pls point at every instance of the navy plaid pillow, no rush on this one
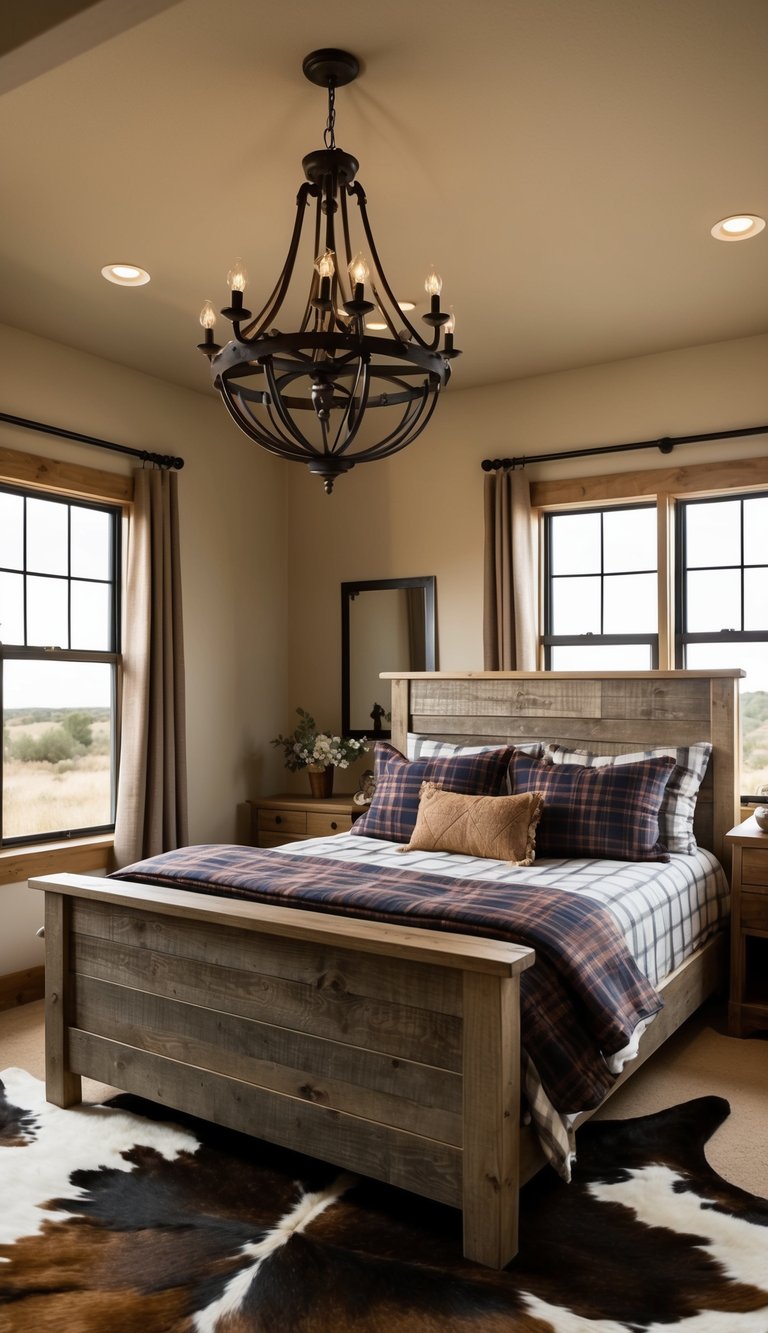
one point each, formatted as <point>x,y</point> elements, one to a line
<point>395,805</point>
<point>597,812</point>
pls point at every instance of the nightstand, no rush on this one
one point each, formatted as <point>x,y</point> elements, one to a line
<point>748,1007</point>
<point>289,818</point>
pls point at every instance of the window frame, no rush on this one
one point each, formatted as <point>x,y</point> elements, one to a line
<point>589,639</point>
<point>718,479</point>
<point>684,637</point>
<point>46,477</point>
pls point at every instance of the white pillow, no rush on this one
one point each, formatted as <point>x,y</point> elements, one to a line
<point>426,747</point>
<point>679,803</point>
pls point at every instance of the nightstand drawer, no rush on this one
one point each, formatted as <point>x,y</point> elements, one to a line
<point>322,825</point>
<point>283,821</point>
<point>754,867</point>
<point>754,911</point>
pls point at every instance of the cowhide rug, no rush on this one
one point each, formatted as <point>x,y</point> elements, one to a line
<point>117,1222</point>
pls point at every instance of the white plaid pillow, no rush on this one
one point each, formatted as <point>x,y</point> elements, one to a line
<point>426,747</point>
<point>679,803</point>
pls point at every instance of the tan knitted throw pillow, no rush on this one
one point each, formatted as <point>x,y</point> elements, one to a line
<point>502,828</point>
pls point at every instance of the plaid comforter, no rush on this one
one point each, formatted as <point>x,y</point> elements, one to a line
<point>580,1002</point>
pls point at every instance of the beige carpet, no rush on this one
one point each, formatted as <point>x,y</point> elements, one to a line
<point>698,1060</point>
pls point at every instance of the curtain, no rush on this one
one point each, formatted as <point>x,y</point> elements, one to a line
<point>510,635</point>
<point>152,784</point>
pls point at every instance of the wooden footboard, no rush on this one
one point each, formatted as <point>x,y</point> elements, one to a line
<point>390,1051</point>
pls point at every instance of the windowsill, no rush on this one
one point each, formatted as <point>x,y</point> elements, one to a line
<point>18,864</point>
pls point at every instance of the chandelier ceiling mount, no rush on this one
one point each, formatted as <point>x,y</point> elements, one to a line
<point>331,393</point>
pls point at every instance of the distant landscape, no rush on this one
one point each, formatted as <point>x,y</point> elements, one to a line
<point>56,769</point>
<point>56,765</point>
<point>754,731</point>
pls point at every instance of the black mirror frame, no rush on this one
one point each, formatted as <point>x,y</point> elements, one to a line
<point>348,592</point>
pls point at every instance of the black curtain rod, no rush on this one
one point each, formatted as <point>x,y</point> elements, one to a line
<point>666,444</point>
<point>161,460</point>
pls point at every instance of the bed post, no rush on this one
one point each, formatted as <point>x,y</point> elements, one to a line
<point>62,1087</point>
<point>491,1157</point>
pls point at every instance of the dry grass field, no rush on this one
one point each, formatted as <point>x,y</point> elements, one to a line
<point>42,797</point>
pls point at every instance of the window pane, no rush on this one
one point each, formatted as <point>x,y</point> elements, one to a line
<point>46,537</point>
<point>713,533</point>
<point>602,657</point>
<point>12,609</point>
<point>576,606</point>
<point>756,599</point>
<point>90,616</point>
<point>47,624</point>
<point>630,604</point>
<point>90,543</point>
<point>752,658</point>
<point>57,729</point>
<point>756,531</point>
<point>714,601</point>
<point>576,544</point>
<point>11,531</point>
<point>629,539</point>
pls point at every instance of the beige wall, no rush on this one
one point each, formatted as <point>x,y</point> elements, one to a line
<point>234,578</point>
<point>421,512</point>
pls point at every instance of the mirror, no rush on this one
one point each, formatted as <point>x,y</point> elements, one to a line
<point>386,625</point>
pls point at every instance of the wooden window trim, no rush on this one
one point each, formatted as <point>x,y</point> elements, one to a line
<point>76,855</point>
<point>50,474</point>
<point>662,485</point>
<point>741,474</point>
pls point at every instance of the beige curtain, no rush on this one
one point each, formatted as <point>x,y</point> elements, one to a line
<point>510,633</point>
<point>152,784</point>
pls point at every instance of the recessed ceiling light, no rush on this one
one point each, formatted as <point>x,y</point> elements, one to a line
<point>376,325</point>
<point>738,227</point>
<point>125,275</point>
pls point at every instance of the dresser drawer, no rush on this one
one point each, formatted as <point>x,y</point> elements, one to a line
<point>321,825</point>
<point>754,867</point>
<point>754,911</point>
<point>283,821</point>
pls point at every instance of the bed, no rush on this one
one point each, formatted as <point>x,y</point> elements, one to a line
<point>387,1049</point>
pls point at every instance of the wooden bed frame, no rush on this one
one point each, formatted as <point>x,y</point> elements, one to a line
<point>393,1052</point>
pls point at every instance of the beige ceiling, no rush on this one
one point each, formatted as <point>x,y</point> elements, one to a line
<point>560,161</point>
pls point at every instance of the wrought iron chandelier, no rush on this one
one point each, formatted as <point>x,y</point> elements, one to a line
<point>309,395</point>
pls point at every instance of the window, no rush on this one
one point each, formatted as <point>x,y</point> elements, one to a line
<point>709,606</point>
<point>59,659</point>
<point>600,604</point>
<point>722,608</point>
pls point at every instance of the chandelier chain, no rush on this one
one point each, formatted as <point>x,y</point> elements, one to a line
<point>329,134</point>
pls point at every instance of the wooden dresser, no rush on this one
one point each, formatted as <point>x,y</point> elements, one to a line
<point>748,1007</point>
<point>290,818</point>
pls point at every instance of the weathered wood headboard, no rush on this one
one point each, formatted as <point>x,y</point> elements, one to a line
<point>614,712</point>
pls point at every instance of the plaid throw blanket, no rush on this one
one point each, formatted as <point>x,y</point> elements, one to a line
<point>581,1001</point>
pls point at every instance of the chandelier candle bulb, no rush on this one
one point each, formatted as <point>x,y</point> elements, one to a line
<point>326,268</point>
<point>208,321</point>
<point>237,279</point>
<point>450,329</point>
